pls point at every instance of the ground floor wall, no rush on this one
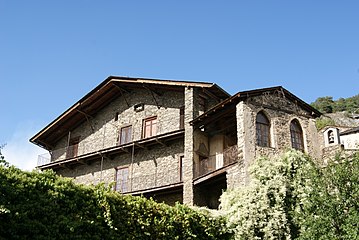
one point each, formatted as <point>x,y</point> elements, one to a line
<point>146,168</point>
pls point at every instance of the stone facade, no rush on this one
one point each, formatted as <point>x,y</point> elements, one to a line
<point>199,147</point>
<point>148,169</point>
<point>103,130</point>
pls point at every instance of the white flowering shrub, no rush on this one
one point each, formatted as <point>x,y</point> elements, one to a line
<point>267,208</point>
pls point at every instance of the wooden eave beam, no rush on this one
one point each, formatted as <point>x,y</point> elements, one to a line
<point>153,96</point>
<point>122,89</point>
<point>210,94</point>
<point>84,113</point>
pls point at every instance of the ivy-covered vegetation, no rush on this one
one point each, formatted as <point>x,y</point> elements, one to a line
<point>291,197</point>
<point>36,205</point>
<point>328,105</point>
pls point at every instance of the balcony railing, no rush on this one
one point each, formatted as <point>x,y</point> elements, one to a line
<point>214,162</point>
<point>93,145</point>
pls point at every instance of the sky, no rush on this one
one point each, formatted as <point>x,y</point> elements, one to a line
<point>54,52</point>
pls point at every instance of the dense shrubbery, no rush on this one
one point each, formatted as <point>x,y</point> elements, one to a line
<point>37,205</point>
<point>290,197</point>
<point>293,198</point>
<point>332,209</point>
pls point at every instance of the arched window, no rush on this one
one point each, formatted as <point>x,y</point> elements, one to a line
<point>262,130</point>
<point>296,135</point>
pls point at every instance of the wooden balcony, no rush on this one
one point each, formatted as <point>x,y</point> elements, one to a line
<point>215,162</point>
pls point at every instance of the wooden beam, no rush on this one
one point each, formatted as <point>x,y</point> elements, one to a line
<point>121,91</point>
<point>210,94</point>
<point>84,113</point>
<point>160,142</point>
<point>153,96</point>
<point>139,145</point>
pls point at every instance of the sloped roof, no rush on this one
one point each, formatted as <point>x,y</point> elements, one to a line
<point>240,96</point>
<point>111,88</point>
<point>350,131</point>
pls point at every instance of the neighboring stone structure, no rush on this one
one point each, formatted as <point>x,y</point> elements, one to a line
<point>350,138</point>
<point>175,140</point>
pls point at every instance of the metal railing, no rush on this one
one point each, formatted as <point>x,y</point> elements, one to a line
<point>85,146</point>
<point>214,162</point>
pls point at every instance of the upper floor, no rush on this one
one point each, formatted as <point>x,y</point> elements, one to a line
<point>121,112</point>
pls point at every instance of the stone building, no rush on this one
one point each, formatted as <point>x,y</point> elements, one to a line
<point>174,140</point>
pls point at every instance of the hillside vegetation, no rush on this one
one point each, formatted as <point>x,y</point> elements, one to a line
<point>328,105</point>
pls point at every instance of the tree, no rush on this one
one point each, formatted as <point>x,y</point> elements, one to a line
<point>2,158</point>
<point>291,197</point>
<point>332,211</point>
<point>324,104</point>
<point>266,208</point>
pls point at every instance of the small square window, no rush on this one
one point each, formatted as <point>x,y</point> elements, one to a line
<point>139,107</point>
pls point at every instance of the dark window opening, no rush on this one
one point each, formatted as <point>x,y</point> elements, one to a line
<point>296,135</point>
<point>330,136</point>
<point>262,130</point>
<point>72,149</point>
<point>181,117</point>
<point>181,168</point>
<point>207,193</point>
<point>139,107</point>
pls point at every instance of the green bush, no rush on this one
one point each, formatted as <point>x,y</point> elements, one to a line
<point>290,197</point>
<point>332,211</point>
<point>322,122</point>
<point>36,205</point>
<point>266,208</point>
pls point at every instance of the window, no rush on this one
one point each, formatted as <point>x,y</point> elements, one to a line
<point>182,118</point>
<point>330,136</point>
<point>296,135</point>
<point>122,179</point>
<point>262,130</point>
<point>139,107</point>
<point>149,127</point>
<point>72,149</point>
<point>126,135</point>
<point>181,167</point>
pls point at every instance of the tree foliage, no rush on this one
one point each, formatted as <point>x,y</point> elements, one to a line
<point>328,105</point>
<point>333,209</point>
<point>290,197</point>
<point>36,205</point>
<point>266,208</point>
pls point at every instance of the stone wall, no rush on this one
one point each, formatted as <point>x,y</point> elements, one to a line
<point>148,168</point>
<point>102,131</point>
<point>280,112</point>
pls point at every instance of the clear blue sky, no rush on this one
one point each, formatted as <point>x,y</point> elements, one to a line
<point>53,52</point>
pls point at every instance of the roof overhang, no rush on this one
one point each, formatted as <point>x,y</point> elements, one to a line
<point>102,95</point>
<point>241,96</point>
